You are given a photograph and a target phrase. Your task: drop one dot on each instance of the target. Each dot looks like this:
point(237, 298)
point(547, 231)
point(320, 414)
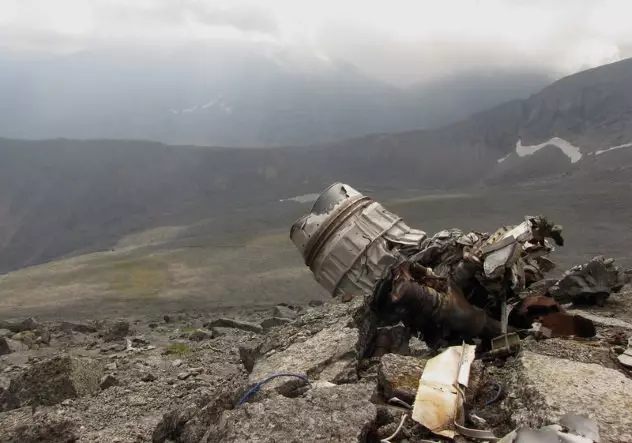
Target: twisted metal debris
point(449, 287)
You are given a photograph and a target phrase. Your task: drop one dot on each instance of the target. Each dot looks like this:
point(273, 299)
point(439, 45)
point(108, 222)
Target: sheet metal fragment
point(439, 403)
point(572, 428)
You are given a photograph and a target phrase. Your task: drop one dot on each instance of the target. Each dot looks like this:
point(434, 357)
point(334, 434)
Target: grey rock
point(248, 354)
point(544, 388)
point(284, 312)
point(27, 338)
point(108, 381)
point(200, 334)
point(4, 346)
point(22, 426)
point(5, 333)
point(51, 381)
point(29, 324)
point(219, 331)
point(194, 424)
point(111, 366)
point(83, 328)
point(172, 424)
point(177, 362)
point(398, 376)
point(147, 377)
point(237, 324)
point(273, 322)
point(117, 331)
point(184, 375)
point(339, 413)
point(139, 342)
point(43, 336)
point(315, 303)
point(311, 357)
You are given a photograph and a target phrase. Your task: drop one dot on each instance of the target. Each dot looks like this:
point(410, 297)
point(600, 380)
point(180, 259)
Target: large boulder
point(198, 421)
point(541, 389)
point(29, 324)
point(398, 376)
point(324, 356)
point(4, 346)
point(22, 426)
point(51, 381)
point(337, 413)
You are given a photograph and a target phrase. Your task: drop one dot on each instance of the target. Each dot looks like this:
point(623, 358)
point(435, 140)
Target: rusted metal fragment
point(553, 319)
point(429, 303)
point(439, 400)
point(561, 324)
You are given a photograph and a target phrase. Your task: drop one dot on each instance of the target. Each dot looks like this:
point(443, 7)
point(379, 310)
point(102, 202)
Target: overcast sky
point(401, 41)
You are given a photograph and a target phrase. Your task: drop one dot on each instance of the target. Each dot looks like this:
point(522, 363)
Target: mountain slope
point(61, 197)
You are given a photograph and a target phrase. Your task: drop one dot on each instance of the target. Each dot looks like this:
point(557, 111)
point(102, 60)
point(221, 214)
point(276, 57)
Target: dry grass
point(251, 265)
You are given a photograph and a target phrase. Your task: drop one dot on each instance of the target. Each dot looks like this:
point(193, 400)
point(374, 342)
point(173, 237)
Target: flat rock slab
point(398, 376)
point(309, 358)
point(284, 312)
point(543, 388)
point(237, 324)
point(600, 320)
point(273, 322)
point(341, 413)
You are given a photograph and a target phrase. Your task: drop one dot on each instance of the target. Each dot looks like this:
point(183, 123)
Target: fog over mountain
point(231, 95)
point(271, 73)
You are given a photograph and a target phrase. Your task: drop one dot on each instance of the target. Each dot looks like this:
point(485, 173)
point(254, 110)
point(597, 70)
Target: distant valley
point(62, 197)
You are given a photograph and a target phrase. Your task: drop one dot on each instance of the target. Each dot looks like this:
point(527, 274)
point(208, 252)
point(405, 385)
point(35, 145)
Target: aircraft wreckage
point(450, 287)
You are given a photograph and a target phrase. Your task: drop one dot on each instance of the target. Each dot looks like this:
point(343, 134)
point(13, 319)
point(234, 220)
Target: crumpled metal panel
point(349, 241)
point(572, 428)
point(439, 403)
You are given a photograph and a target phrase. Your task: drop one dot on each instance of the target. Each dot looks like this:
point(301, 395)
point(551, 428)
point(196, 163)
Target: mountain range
point(62, 197)
point(230, 95)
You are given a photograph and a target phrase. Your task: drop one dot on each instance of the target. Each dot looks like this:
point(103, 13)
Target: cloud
point(401, 41)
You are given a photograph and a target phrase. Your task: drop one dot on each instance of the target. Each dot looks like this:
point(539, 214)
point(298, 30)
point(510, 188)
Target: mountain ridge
point(61, 196)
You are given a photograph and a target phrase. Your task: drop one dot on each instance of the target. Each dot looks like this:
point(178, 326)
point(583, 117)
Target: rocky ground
point(179, 378)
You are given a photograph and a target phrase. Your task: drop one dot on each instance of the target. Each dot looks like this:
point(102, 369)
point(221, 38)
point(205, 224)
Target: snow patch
point(572, 152)
point(613, 148)
point(189, 110)
point(500, 160)
point(211, 103)
point(307, 198)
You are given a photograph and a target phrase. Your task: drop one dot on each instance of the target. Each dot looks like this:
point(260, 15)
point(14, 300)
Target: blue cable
point(256, 387)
